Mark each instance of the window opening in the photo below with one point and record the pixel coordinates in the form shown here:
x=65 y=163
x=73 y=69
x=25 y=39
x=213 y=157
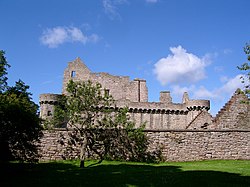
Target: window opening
x=49 y=113
x=73 y=73
x=106 y=92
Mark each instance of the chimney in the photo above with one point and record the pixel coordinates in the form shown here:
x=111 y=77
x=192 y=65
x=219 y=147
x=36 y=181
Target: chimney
x=165 y=97
x=185 y=97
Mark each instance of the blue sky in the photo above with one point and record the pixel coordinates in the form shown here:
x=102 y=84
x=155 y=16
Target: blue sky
x=176 y=45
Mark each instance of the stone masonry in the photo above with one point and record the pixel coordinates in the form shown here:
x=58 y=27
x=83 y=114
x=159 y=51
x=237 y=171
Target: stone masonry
x=134 y=94
x=183 y=131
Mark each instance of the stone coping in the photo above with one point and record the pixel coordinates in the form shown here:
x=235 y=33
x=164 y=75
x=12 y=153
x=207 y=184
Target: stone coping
x=197 y=130
x=174 y=130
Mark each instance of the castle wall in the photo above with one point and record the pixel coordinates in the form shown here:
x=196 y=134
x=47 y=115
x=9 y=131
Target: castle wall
x=75 y=71
x=120 y=87
x=176 y=145
x=159 y=120
x=201 y=145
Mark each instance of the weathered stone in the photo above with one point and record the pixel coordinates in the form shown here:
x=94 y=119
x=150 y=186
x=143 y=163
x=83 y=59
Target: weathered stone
x=183 y=131
x=134 y=94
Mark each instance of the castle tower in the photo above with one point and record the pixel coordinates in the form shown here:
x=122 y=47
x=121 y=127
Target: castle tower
x=47 y=105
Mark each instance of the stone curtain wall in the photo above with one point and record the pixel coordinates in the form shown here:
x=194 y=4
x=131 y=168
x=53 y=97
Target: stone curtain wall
x=53 y=146
x=176 y=145
x=201 y=145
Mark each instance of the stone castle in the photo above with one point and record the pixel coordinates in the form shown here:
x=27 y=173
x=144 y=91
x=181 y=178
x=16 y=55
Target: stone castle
x=184 y=131
x=134 y=94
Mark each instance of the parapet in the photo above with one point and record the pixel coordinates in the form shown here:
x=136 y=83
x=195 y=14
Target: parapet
x=49 y=98
x=198 y=105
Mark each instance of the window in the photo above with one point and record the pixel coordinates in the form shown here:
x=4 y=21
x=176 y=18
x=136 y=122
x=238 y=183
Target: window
x=49 y=113
x=73 y=73
x=106 y=93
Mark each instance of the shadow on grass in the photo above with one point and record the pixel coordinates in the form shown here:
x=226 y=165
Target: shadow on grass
x=66 y=174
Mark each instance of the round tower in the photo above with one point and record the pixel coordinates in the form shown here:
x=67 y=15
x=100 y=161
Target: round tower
x=47 y=105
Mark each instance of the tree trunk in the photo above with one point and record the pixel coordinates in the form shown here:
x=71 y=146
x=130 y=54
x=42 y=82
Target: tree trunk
x=82 y=164
x=83 y=151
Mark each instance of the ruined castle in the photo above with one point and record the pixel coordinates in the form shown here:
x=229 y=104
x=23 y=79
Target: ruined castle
x=184 y=131
x=134 y=94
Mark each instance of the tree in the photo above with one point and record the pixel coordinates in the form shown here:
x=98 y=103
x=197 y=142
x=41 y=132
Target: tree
x=245 y=67
x=3 y=71
x=19 y=120
x=98 y=127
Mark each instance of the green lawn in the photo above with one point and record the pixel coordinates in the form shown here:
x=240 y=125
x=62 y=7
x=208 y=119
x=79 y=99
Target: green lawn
x=67 y=173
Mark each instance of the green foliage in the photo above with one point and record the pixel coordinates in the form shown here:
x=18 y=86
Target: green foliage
x=97 y=126
x=3 y=71
x=86 y=105
x=19 y=123
x=245 y=67
x=60 y=117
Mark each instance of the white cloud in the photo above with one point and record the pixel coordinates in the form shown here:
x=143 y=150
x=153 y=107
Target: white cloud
x=228 y=88
x=178 y=90
x=180 y=67
x=218 y=96
x=204 y=93
x=223 y=79
x=231 y=85
x=76 y=35
x=111 y=7
x=53 y=37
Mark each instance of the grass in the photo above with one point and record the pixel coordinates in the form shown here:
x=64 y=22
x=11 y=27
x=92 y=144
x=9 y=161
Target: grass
x=121 y=174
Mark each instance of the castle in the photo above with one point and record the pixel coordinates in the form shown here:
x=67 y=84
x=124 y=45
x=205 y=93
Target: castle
x=184 y=131
x=190 y=114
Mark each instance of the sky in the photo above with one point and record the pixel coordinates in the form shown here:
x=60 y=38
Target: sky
x=176 y=45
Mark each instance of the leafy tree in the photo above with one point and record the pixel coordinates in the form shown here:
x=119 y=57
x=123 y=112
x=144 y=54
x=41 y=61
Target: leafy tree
x=245 y=67
x=19 y=120
x=3 y=71
x=98 y=128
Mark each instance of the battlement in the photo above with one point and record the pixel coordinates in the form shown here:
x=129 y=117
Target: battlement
x=49 y=98
x=198 y=105
x=47 y=104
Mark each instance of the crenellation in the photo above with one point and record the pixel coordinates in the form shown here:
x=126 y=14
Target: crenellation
x=47 y=103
